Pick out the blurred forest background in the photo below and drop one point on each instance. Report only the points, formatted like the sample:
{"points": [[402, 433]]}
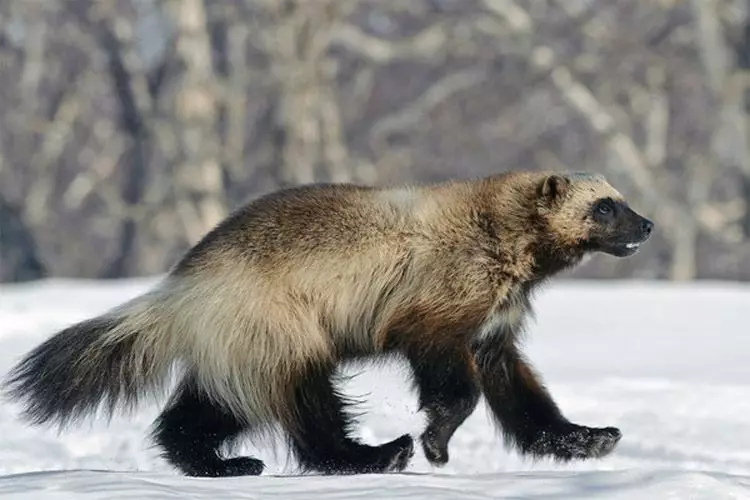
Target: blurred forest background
{"points": [[128, 128]]}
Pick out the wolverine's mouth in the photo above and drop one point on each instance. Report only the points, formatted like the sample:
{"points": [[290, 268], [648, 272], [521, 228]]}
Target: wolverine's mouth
{"points": [[627, 249]]}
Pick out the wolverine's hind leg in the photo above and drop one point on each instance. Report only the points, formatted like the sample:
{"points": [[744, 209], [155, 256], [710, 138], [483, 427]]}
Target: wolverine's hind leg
{"points": [[319, 431], [192, 428]]}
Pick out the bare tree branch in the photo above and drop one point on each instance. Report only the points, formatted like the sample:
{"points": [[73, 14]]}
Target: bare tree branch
{"points": [[428, 44], [418, 110]]}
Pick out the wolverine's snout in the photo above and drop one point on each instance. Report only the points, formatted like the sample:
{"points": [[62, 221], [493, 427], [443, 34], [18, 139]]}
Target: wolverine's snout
{"points": [[641, 227], [646, 227], [636, 231]]}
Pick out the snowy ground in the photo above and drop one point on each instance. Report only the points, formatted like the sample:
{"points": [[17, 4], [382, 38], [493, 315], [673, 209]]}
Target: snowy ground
{"points": [[668, 365]]}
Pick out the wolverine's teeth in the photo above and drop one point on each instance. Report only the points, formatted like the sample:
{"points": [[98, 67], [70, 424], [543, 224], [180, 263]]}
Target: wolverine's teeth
{"points": [[632, 245]]}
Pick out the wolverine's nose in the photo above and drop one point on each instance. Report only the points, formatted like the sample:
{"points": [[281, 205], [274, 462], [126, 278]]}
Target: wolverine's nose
{"points": [[646, 227]]}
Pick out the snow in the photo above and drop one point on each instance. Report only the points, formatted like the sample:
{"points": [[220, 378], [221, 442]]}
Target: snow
{"points": [[665, 363]]}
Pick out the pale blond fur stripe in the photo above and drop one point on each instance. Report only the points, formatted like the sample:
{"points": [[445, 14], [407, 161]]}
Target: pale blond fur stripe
{"points": [[245, 333]]}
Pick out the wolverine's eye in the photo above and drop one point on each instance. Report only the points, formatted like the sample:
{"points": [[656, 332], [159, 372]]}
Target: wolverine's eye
{"points": [[604, 208]]}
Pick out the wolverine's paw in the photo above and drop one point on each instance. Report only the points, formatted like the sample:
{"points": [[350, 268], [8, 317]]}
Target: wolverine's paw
{"points": [[576, 442], [435, 450], [240, 466], [401, 450], [243, 466], [360, 458]]}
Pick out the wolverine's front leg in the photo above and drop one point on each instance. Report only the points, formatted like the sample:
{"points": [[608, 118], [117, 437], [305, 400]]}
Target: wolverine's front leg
{"points": [[527, 414], [445, 376]]}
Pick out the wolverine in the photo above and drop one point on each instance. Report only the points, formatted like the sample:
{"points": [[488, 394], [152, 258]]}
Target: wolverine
{"points": [[256, 317]]}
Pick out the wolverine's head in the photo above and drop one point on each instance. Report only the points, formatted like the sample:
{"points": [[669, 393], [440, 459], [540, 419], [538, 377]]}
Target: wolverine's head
{"points": [[584, 211]]}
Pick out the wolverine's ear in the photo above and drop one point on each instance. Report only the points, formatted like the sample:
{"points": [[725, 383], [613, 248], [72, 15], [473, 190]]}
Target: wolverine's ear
{"points": [[554, 187]]}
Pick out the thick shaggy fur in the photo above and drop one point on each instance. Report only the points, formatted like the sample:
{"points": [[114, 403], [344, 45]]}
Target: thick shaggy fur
{"points": [[261, 311]]}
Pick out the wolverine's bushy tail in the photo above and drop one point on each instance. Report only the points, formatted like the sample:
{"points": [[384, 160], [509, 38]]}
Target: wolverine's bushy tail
{"points": [[100, 362]]}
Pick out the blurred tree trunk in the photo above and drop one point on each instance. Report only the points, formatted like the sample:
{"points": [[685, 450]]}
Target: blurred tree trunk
{"points": [[195, 107], [19, 253], [742, 55], [129, 83], [727, 69], [308, 126]]}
